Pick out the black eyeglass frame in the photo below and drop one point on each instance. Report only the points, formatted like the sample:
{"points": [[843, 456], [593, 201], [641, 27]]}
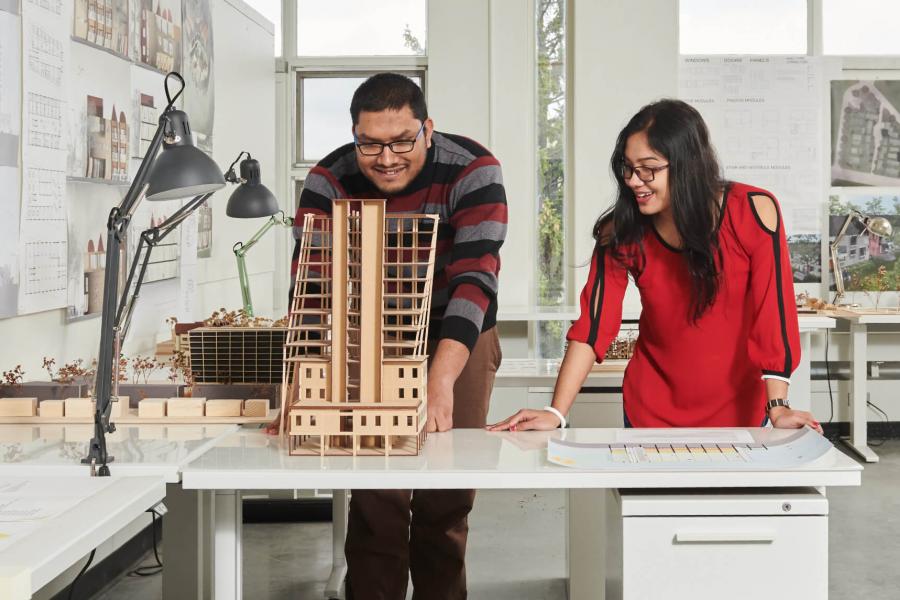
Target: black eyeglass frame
{"points": [[391, 145], [627, 171]]}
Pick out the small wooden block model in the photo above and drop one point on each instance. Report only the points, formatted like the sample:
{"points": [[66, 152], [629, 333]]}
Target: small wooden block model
{"points": [[51, 408], [152, 408], [256, 407], [120, 406], [221, 407], [79, 407], [355, 362], [185, 407], [18, 407]]}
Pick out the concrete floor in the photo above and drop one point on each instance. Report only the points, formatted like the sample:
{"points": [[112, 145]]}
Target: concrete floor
{"points": [[516, 546]]}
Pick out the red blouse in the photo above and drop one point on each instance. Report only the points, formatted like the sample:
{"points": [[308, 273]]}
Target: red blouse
{"points": [[709, 373]]}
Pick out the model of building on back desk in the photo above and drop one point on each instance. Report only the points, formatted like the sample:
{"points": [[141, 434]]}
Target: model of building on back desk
{"points": [[355, 355]]}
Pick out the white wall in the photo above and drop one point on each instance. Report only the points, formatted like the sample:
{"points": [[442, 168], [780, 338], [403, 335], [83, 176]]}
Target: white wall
{"points": [[244, 120]]}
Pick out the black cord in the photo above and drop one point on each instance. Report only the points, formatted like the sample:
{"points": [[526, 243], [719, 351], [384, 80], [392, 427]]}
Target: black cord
{"points": [[828, 377], [149, 570], [80, 573], [875, 407]]}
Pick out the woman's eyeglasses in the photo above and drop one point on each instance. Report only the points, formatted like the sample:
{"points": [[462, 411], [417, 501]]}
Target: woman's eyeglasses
{"points": [[645, 174]]}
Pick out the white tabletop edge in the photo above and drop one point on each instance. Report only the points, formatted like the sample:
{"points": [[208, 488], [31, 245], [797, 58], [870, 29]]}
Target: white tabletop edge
{"points": [[66, 538]]}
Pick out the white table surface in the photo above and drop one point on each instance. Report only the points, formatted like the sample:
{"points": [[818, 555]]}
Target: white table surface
{"points": [[28, 564], [138, 450], [473, 458]]}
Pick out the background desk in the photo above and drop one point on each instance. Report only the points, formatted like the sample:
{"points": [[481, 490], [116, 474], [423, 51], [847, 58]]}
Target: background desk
{"points": [[28, 564], [463, 458], [159, 451], [859, 345]]}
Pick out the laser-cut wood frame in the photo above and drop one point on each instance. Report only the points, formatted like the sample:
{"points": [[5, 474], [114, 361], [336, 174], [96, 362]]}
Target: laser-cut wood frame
{"points": [[355, 372]]}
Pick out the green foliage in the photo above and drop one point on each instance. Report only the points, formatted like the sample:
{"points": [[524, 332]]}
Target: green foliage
{"points": [[551, 111]]}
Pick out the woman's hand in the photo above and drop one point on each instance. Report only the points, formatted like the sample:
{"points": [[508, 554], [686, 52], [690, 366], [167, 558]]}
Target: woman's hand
{"points": [[783, 417], [527, 419]]}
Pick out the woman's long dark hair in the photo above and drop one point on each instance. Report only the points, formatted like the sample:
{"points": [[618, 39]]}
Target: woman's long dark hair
{"points": [[676, 131]]}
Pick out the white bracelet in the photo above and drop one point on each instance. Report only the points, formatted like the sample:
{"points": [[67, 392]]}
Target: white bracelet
{"points": [[559, 415]]}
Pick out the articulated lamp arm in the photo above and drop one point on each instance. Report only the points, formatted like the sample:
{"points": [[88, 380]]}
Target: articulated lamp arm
{"points": [[240, 250]]}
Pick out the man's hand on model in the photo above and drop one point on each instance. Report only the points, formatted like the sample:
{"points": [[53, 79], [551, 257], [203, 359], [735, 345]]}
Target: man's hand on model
{"points": [[783, 417], [440, 406], [447, 363]]}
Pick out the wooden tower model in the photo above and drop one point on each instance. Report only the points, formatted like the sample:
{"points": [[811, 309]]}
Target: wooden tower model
{"points": [[354, 379]]}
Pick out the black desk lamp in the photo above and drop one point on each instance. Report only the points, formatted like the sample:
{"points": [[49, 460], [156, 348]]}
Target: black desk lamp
{"points": [[251, 200], [180, 171]]}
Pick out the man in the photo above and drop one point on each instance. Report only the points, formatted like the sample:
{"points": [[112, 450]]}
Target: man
{"points": [[398, 156]]}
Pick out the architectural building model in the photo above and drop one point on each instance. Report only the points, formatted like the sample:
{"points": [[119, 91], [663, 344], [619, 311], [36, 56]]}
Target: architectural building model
{"points": [[354, 379]]}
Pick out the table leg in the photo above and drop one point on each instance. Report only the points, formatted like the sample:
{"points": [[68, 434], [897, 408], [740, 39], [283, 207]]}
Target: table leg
{"points": [[339, 505], [586, 547], [187, 527], [227, 545], [859, 396]]}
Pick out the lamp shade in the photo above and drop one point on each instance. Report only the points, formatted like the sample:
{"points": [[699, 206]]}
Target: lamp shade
{"points": [[879, 226], [251, 199], [182, 170]]}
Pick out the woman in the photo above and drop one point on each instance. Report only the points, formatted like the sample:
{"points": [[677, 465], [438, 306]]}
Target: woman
{"points": [[718, 331]]}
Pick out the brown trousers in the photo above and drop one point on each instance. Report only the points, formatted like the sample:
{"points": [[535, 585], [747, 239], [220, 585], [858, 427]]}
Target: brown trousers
{"points": [[392, 533]]}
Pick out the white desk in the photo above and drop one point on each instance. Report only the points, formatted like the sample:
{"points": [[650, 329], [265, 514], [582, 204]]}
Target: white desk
{"points": [[859, 342], [463, 458], [139, 450], [29, 563]]}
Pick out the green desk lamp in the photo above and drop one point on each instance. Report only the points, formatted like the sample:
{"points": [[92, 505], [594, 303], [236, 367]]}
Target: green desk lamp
{"points": [[249, 201]]}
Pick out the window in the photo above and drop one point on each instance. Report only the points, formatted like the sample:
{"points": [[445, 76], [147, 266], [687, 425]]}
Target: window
{"points": [[323, 111], [409, 421], [377, 421], [860, 28], [362, 420], [743, 26], [312, 420], [551, 143], [361, 27]]}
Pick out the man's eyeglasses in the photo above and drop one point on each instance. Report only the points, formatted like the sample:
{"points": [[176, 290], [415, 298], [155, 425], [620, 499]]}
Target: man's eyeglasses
{"points": [[398, 147], [645, 174]]}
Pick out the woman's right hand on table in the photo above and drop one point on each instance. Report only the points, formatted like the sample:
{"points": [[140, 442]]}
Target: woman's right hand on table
{"points": [[527, 419]]}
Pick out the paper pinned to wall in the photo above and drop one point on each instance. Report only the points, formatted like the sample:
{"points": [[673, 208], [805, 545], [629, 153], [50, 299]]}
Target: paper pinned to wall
{"points": [[764, 114], [10, 136], [42, 244]]}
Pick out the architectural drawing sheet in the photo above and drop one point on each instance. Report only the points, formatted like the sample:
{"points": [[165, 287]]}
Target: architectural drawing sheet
{"points": [[866, 133], [764, 114], [42, 244], [10, 136]]}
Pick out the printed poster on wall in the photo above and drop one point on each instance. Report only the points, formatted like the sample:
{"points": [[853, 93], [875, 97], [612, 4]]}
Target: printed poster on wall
{"points": [[10, 115], [865, 133], [764, 115], [199, 101], [42, 244]]}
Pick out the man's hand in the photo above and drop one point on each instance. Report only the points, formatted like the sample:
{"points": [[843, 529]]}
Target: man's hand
{"points": [[448, 362], [274, 428], [440, 406], [783, 417]]}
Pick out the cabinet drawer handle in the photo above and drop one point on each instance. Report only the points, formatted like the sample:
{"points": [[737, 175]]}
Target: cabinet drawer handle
{"points": [[726, 537]]}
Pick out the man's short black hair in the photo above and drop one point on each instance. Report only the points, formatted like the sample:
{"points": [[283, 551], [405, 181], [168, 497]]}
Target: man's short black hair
{"points": [[388, 91]]}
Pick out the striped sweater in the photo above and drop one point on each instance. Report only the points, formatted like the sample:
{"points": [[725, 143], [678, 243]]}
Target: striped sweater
{"points": [[461, 181]]}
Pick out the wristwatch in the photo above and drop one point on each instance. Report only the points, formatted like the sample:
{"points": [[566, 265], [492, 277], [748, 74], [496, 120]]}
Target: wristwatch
{"points": [[777, 402]]}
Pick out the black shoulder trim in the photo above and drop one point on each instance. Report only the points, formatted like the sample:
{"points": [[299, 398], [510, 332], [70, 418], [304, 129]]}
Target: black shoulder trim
{"points": [[759, 221], [779, 290], [596, 305]]}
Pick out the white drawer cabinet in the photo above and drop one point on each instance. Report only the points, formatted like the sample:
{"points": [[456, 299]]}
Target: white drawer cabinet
{"points": [[735, 545], [699, 545]]}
